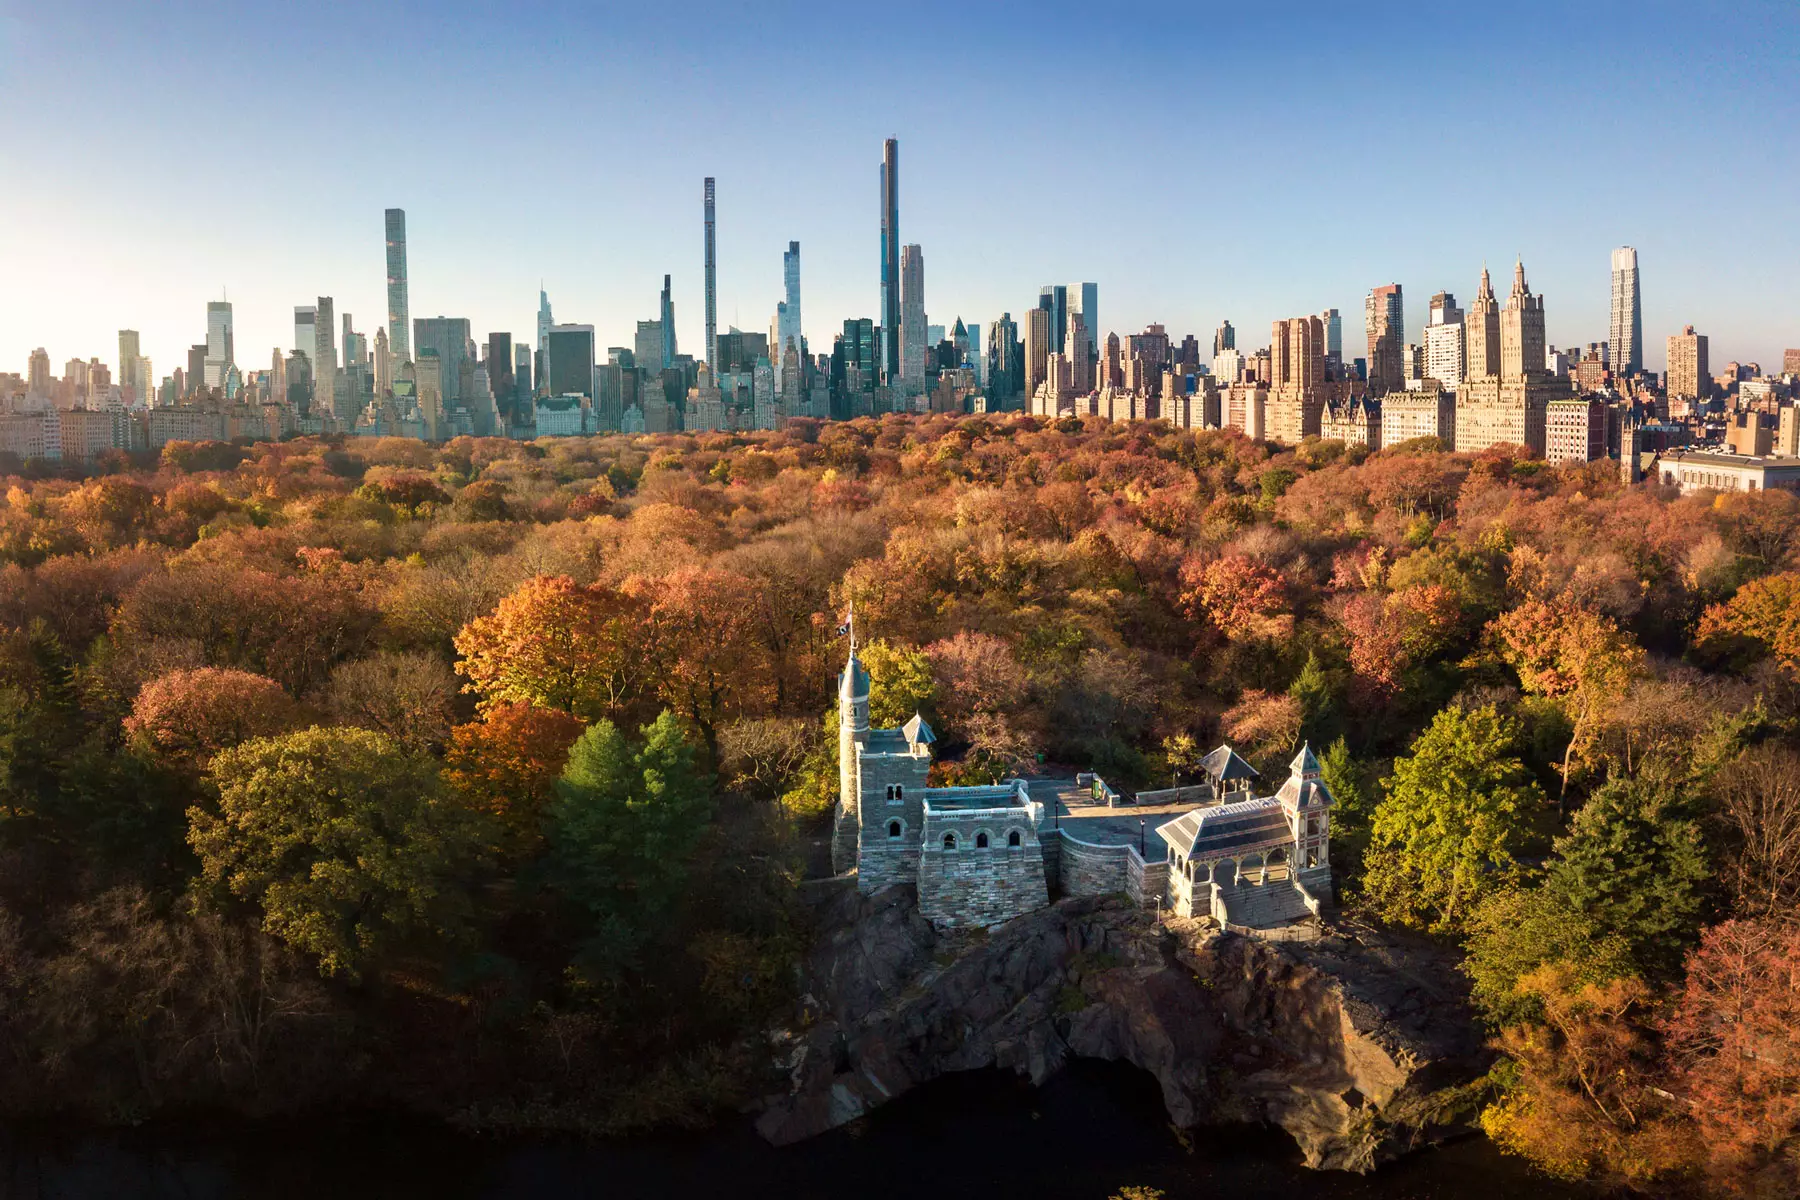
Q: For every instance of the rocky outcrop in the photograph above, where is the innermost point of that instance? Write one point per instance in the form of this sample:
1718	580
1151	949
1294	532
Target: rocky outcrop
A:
1356	1044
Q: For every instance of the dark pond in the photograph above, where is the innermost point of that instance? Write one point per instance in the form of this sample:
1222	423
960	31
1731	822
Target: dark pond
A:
1090	1131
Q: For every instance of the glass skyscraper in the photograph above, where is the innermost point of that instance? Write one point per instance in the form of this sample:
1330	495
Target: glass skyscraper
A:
890	261
448	337
399	326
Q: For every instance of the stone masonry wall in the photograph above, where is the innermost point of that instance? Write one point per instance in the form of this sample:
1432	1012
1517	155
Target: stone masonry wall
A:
978	887
1147	883
1089	870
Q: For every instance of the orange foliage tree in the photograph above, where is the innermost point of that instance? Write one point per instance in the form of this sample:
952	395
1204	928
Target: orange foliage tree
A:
556	644
1763	618
505	764
189	716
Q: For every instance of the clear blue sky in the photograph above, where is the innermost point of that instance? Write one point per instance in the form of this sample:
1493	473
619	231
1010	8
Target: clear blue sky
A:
1198	161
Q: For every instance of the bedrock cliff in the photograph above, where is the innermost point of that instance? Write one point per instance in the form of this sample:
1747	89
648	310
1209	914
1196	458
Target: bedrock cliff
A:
1359	1045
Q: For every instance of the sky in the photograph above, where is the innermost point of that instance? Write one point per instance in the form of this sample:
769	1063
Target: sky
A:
1200	162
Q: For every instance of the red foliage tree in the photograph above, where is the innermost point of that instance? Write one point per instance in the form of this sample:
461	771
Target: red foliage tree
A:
189	716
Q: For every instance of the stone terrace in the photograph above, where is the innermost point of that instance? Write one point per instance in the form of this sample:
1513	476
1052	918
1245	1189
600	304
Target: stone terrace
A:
1082	818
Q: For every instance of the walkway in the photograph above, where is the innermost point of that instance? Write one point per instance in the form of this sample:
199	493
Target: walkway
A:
1086	821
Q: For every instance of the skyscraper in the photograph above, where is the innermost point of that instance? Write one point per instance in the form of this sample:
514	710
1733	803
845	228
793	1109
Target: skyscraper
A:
569	360
324	360
1037	351
545	321
1627	333
1444	342
305	318
712	289
1384	318
399	324
128	363
219	347
1084	298
448	337
912	313
788	331
1053	298
1334	333
1522	331
666	315
502	371
1690	375
1224	339
890	261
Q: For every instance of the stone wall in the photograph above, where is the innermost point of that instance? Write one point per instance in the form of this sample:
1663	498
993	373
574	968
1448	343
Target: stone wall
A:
883	861
1089	870
1146	883
843	840
1191	793
968	886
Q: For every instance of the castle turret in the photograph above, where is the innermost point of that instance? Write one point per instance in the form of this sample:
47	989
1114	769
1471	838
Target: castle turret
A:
853	730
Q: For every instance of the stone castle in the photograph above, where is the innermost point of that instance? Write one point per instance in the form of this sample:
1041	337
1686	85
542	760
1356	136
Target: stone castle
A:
983	855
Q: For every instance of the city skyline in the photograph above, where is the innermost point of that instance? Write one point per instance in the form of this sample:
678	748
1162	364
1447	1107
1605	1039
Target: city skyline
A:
1207	244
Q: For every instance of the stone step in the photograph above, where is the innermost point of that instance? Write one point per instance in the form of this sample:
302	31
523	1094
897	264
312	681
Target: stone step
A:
1264	906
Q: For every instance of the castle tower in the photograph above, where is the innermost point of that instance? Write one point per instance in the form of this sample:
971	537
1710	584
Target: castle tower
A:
1306	802
1481	330
853	732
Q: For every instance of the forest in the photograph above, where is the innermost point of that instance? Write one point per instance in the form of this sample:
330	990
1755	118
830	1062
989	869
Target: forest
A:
480	779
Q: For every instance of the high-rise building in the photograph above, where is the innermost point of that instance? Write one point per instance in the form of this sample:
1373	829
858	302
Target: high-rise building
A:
1627	329
788	335
448	338
38	373
1084	298
1481	334
665	315
130	360
1224	339
1334	333
1522	331
1005	376
305	321
398	319
220	350
648	347
324	360
1444	342
1053	298
1690	375
712	281
384	364
196	370
569	360
502	372
890	261
1037	351
912	313
522	378
1385	320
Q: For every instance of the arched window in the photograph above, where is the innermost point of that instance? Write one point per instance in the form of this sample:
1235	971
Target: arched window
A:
899	791
949	841
893	829
981	840
1012	839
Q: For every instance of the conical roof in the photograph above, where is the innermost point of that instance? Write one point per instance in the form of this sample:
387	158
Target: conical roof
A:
918	733
853	684
1304	763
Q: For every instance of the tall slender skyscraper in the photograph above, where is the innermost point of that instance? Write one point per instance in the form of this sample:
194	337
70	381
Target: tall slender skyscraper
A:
399	325
912	313
1084	298
1627	333
712	282
324	359
890	261
130	365
666	315
788	330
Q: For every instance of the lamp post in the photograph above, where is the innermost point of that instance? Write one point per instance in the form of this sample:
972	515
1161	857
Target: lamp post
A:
1141	827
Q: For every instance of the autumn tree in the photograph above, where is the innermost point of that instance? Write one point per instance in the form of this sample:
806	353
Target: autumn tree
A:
186	717
1758	800
900	682
703	657
1457	815
1762	618
1238	596
556	644
1735	1034
408	695
505	764
1574	656
340	838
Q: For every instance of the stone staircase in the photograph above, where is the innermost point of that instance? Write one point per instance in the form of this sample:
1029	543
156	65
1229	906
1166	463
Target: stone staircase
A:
1264	906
